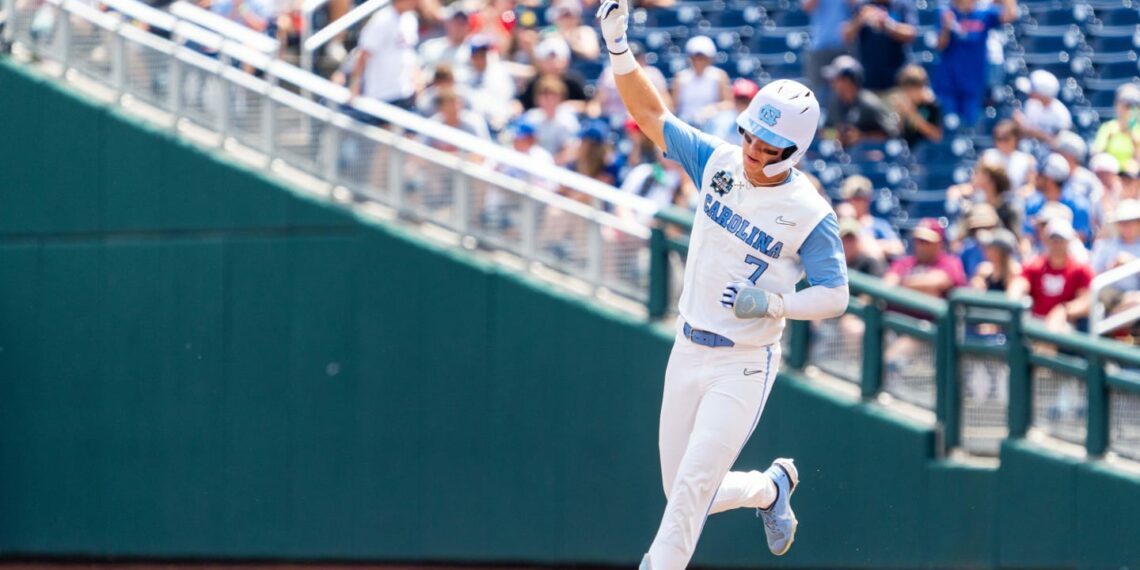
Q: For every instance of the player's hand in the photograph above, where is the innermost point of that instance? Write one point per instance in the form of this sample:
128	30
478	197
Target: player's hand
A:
731	291
613	15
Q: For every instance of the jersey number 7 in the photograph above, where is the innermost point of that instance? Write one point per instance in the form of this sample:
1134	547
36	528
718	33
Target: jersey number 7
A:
761	267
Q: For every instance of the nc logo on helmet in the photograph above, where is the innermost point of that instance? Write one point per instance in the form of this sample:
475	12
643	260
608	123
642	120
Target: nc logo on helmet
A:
769	114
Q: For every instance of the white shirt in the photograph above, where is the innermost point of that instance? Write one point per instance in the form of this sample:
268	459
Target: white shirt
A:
1017	165
695	92
653	182
1052	119
555	133
390	40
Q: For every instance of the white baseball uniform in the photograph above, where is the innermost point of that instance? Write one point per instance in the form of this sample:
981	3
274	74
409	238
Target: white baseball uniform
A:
714	395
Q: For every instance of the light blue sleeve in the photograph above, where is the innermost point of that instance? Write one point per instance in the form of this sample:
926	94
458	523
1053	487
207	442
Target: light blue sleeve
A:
689	146
822	255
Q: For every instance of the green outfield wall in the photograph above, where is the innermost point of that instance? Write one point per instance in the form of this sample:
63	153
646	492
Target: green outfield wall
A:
198	362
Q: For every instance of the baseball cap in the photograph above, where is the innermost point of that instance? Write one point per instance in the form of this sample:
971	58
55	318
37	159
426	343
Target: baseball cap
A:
1127	210
1072	144
849	226
1128	94
700	45
553	46
457	14
1055	167
1051	210
928	229
1060	228
743	88
524	129
1043	83
593	131
982	216
844	66
1003	239
1104	162
480	42
856	186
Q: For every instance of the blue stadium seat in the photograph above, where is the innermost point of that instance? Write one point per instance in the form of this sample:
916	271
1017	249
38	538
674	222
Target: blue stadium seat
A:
1063	16
792	70
928	18
1112	44
1116	70
1119	17
669	17
1044	44
790	20
1101	99
742	16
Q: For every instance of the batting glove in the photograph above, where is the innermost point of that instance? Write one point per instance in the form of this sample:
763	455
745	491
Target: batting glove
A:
614	17
750	302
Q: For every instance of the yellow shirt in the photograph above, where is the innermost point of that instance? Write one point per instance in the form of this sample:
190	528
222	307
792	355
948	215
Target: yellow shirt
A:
1113	139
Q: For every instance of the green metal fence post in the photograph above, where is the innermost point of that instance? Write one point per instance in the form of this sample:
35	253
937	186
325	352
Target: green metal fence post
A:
1020	390
798	350
872	373
947	406
658	299
1097	437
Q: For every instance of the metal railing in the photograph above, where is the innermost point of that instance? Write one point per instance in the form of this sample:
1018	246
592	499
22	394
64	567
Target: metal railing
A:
1099	323
312	42
258	106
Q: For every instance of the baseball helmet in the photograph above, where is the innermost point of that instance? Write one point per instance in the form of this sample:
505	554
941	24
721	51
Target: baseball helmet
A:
784	114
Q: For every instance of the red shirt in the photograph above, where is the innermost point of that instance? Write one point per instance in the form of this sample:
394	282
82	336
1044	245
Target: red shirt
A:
1049	286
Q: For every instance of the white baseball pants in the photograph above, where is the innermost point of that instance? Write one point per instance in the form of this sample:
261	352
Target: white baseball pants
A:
712	402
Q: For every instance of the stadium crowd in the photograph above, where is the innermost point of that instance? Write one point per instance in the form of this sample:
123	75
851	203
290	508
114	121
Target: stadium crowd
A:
1045	203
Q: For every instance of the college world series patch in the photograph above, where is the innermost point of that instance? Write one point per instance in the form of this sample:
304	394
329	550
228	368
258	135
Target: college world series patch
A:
722	182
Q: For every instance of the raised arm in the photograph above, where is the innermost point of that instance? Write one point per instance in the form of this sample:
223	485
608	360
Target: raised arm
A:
641	98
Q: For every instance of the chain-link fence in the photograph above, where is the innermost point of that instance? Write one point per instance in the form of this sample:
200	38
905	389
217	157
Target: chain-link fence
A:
984	382
837	347
1060	404
909	370
1124	412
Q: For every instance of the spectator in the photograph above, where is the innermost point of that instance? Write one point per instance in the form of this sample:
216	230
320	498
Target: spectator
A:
723	124
980	225
989	185
1120	137
555	124
883	242
1050	181
1082	182
1123	248
661	181
1000	268
497	212
387	67
700	89
1109	253
1020	166
450	112
1107	170
443	79
1057	283
489	84
930	270
882	31
582	39
607	101
856	113
552	57
1044	114
851	232
1130	180
963	31
918	109
595	155
449	48
826	33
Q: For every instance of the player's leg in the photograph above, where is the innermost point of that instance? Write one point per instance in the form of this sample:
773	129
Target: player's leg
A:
725	418
681	395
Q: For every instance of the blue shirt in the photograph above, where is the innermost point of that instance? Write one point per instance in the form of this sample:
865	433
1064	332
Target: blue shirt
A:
827	24
821	253
963	64
882	56
972	255
1078	204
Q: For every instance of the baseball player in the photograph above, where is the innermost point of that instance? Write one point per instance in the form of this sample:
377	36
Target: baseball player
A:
760	226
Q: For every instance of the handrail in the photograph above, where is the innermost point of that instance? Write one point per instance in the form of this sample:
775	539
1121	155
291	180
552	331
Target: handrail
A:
1088	346
224	26
1098	323
311	42
862	284
151	16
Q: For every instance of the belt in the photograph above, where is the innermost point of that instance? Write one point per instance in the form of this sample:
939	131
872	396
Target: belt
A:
706	338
